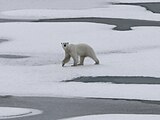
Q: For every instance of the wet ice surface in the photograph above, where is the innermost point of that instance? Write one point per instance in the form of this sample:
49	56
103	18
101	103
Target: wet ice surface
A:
14	20
8	56
117	80
30	59
3	40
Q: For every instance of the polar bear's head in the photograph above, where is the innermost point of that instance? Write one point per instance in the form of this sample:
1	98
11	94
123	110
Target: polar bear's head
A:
64	45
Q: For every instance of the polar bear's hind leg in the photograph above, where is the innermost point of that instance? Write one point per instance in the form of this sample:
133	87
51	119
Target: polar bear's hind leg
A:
96	60
93	56
81	60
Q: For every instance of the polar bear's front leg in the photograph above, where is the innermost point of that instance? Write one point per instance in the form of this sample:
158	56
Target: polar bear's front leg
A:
66	59
75	58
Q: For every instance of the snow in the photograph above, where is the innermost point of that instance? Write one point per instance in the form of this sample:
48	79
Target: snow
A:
120	11
72	9
12	112
117	117
137	1
137	54
50	4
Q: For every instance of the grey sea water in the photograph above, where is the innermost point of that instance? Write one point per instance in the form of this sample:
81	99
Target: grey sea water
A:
57	108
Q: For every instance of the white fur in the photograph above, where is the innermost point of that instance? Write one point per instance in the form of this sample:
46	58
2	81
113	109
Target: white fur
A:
75	50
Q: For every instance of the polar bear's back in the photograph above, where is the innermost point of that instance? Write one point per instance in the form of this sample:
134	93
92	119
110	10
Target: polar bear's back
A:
84	50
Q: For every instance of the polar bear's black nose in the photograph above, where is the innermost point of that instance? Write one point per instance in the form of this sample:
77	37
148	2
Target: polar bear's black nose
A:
64	45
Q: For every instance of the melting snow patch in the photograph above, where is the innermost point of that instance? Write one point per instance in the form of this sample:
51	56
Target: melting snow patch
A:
11	112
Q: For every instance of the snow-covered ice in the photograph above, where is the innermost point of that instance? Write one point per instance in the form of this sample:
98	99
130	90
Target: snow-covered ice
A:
117	117
40	74
76	8
13	112
137	1
120	11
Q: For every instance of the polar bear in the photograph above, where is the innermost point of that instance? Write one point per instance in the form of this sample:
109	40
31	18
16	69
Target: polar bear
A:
75	50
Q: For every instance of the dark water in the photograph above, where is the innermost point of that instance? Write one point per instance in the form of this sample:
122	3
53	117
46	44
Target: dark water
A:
58	108
151	6
121	24
118	80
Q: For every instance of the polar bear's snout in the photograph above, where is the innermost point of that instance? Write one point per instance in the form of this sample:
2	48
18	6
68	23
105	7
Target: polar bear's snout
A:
64	45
